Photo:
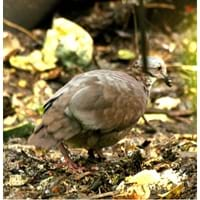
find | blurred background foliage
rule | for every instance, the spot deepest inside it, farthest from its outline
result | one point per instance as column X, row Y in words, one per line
column 188, row 53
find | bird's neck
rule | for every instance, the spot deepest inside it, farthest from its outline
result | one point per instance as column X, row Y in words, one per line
column 144, row 78
column 149, row 81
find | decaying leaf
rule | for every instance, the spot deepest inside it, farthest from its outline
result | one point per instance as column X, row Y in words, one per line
column 75, row 44
column 162, row 117
column 10, row 45
column 32, row 62
column 144, row 177
column 17, row 180
column 167, row 103
column 174, row 192
column 169, row 177
column 66, row 42
column 10, row 120
column 137, row 187
column 44, row 183
column 49, row 48
column 21, row 130
column 22, row 83
column 143, row 183
column 125, row 54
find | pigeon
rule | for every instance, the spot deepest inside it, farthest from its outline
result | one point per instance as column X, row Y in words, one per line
column 96, row 109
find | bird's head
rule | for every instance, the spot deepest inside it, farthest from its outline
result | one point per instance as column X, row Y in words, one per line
column 156, row 68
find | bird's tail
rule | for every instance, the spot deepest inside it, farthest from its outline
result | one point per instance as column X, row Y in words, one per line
column 49, row 135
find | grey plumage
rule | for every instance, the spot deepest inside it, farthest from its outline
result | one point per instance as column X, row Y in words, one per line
column 95, row 109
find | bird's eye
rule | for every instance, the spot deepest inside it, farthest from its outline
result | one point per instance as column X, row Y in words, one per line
column 159, row 68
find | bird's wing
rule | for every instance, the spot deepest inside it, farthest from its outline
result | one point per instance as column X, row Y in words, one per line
column 60, row 92
column 105, row 107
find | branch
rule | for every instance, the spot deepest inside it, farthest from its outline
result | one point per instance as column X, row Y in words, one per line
column 21, row 29
column 159, row 5
column 102, row 195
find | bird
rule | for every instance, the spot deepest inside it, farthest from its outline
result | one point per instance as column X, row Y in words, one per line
column 97, row 108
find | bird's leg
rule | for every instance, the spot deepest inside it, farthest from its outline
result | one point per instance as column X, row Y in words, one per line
column 145, row 121
column 152, row 128
column 91, row 154
column 98, row 152
column 68, row 161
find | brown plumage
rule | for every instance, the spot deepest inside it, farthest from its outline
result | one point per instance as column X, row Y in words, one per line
column 95, row 109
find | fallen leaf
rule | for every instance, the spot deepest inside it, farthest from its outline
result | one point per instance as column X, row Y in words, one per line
column 144, row 177
column 10, row 45
column 66, row 42
column 167, row 103
column 125, row 54
column 32, row 62
column 75, row 44
column 137, row 186
column 22, row 83
column 174, row 192
column 162, row 117
column 16, row 180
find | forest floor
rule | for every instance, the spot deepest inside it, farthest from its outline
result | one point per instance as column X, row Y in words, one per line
column 167, row 147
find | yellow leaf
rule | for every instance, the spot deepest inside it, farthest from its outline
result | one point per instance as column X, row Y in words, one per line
column 173, row 193
column 17, row 180
column 125, row 54
column 22, row 83
column 144, row 177
column 192, row 47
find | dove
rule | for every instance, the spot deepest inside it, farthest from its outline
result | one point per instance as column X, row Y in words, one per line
column 96, row 109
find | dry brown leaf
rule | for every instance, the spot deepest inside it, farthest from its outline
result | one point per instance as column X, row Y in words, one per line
column 10, row 45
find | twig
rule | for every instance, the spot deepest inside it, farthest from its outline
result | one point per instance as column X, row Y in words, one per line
column 181, row 119
column 23, row 149
column 187, row 136
column 21, row 29
column 186, row 154
column 152, row 128
column 32, row 157
column 106, row 194
column 183, row 113
column 18, row 146
column 82, row 175
column 142, row 27
column 135, row 30
column 96, row 62
column 181, row 66
column 177, row 115
column 159, row 5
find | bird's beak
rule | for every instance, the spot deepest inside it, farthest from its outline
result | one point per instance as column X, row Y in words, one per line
column 167, row 80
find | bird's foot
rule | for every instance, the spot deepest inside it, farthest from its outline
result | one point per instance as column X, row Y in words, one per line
column 149, row 127
column 91, row 155
column 72, row 166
